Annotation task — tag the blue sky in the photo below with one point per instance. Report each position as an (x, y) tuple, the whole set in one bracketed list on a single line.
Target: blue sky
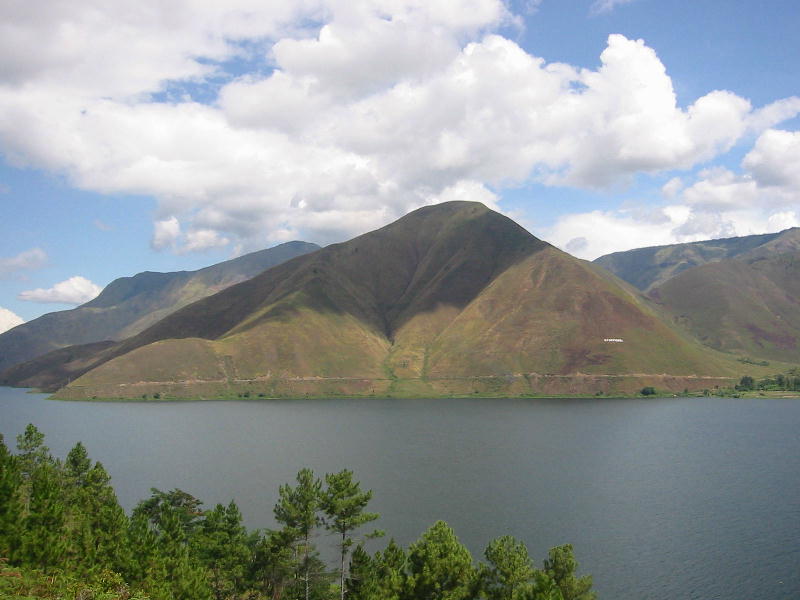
[(168, 137)]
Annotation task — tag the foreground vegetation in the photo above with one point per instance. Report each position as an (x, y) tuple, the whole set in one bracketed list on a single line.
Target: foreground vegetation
[(64, 535)]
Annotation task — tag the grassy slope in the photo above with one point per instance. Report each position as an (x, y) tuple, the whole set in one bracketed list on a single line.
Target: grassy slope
[(130, 304), (364, 290), (452, 293), (749, 307), (550, 314)]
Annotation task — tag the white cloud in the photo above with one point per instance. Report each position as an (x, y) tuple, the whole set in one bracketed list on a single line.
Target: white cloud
[(783, 220), (9, 319), (29, 259), (604, 6), (672, 187), (472, 191), (763, 198), (165, 233), (592, 234), (75, 290), (203, 239), (774, 161), (374, 107)]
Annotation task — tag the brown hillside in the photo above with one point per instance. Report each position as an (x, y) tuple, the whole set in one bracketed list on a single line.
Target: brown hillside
[(448, 293), (748, 307)]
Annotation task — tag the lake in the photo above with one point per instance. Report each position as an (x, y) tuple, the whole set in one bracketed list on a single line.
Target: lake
[(663, 499)]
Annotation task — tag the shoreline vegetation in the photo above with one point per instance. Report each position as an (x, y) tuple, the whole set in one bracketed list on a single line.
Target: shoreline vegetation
[(505, 386), (719, 393), (64, 535), (782, 385)]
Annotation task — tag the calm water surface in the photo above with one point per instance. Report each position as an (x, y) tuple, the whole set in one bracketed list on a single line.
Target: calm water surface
[(663, 499)]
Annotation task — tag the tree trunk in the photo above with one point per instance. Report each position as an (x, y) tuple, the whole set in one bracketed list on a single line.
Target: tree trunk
[(342, 575), (307, 568)]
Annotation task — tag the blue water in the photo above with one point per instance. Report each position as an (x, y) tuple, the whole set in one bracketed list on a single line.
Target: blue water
[(663, 499)]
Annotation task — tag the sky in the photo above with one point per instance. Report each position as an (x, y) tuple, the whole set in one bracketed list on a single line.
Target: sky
[(168, 136)]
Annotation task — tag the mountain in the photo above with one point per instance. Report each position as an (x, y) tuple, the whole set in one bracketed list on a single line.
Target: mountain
[(131, 304), (450, 299), (739, 295), (647, 268), (747, 306)]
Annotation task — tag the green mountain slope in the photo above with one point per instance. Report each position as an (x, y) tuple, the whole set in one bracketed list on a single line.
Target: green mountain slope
[(748, 306), (450, 298), (647, 268), (131, 304)]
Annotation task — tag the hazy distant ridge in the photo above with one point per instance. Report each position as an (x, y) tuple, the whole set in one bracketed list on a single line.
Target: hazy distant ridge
[(130, 304)]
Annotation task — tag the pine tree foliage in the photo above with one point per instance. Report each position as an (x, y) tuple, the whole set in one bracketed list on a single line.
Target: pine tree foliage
[(221, 544), (344, 505), (298, 510), (274, 564), (509, 571), (561, 567), (64, 535), (440, 567)]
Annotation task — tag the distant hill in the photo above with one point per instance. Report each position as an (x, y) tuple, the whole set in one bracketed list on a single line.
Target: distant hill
[(748, 306), (739, 295), (451, 298), (647, 268), (131, 304)]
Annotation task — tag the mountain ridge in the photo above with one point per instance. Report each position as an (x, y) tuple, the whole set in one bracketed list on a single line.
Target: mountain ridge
[(651, 266), (129, 305), (449, 298), (737, 295)]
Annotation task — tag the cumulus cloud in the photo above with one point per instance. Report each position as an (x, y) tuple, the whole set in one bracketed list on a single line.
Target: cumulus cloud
[(203, 239), (592, 234), (357, 111), (9, 319), (29, 259), (763, 198), (165, 233), (774, 161), (75, 290)]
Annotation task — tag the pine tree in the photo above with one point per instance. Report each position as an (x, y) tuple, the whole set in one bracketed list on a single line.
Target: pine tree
[(32, 451), (509, 573), (544, 587), (343, 503), (143, 550), (390, 567), (381, 577), (77, 464), (100, 540), (220, 544), (362, 577), (274, 563), (43, 542), (187, 579), (10, 505), (440, 567), (297, 510), (561, 567), (180, 504)]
